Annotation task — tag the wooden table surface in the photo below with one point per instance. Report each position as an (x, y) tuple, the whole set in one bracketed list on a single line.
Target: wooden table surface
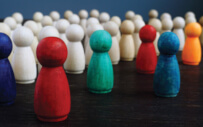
[(131, 103)]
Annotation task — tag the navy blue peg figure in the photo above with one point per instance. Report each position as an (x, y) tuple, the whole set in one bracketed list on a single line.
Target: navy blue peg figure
[(167, 73), (7, 79)]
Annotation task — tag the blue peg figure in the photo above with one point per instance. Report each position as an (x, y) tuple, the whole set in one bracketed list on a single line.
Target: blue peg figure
[(7, 79), (167, 73), (100, 77)]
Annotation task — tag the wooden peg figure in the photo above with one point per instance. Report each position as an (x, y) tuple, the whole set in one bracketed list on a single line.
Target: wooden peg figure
[(100, 76), (52, 95), (192, 51), (146, 58), (167, 74), (7, 79)]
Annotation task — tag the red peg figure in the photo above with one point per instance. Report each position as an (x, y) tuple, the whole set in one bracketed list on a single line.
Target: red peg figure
[(146, 58), (52, 95)]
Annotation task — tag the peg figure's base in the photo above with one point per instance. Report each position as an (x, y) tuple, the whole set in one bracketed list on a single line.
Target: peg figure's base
[(126, 59), (146, 72), (6, 103), (167, 95), (51, 119), (25, 82), (191, 63), (100, 92), (114, 62), (74, 72)]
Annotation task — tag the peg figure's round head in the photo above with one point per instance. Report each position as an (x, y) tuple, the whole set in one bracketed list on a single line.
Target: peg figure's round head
[(83, 14), (167, 24), (168, 43), (55, 15), (5, 46), (48, 31), (147, 34), (137, 16), (178, 23), (189, 14), (117, 20), (138, 25), (11, 22), (165, 16), (94, 13), (18, 17), (4, 28), (22, 37), (193, 29), (52, 52), (153, 13), (74, 19), (74, 33), (127, 27), (62, 25), (32, 26), (93, 27), (104, 17), (47, 21), (156, 23), (129, 15), (100, 41), (68, 14), (92, 20), (111, 27), (37, 17)]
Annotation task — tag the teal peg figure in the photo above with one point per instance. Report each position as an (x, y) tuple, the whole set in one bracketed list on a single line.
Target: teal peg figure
[(167, 73), (100, 78)]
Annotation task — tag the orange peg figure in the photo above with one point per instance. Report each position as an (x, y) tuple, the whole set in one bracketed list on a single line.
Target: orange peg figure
[(192, 52)]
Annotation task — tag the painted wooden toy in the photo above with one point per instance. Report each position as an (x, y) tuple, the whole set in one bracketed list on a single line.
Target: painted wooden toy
[(192, 51), (52, 95), (7, 79), (167, 74), (23, 61), (100, 78), (127, 48), (146, 58)]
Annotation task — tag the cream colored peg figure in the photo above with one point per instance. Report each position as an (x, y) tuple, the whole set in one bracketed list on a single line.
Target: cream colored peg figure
[(68, 14), (190, 20), (117, 20), (103, 18), (75, 62), (127, 48), (47, 31), (61, 26), (88, 52), (201, 23), (167, 25), (4, 28), (153, 14), (55, 17), (94, 13), (83, 14), (114, 52), (23, 61), (34, 28), (37, 17), (156, 23), (19, 18), (74, 19), (178, 26), (91, 20), (47, 21), (129, 15), (11, 22), (165, 16), (137, 42)]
